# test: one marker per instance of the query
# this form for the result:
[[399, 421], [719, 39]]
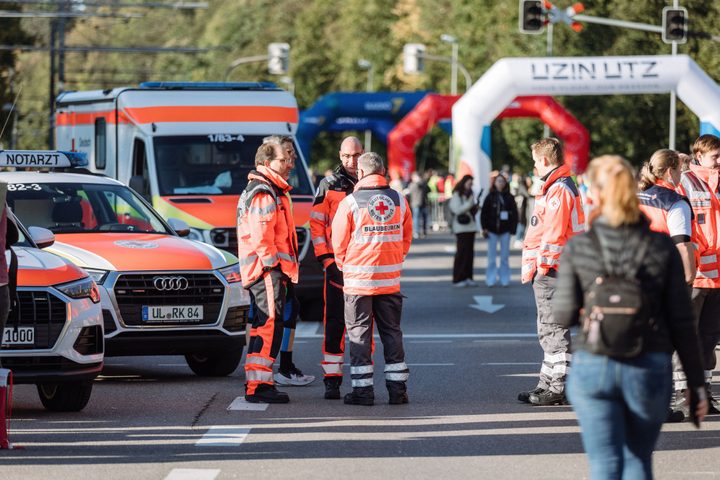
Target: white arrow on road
[[484, 303]]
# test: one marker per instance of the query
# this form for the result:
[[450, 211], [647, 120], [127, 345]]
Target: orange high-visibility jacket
[[700, 186], [266, 229], [558, 215], [371, 235], [656, 202], [331, 191]]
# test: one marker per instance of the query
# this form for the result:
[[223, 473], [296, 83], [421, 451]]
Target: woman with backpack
[[464, 208], [499, 220], [625, 286]]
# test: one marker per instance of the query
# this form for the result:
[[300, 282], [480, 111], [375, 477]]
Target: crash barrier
[[627, 75], [433, 108], [438, 215], [5, 407]]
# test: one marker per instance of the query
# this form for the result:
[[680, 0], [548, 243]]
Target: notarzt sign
[[39, 159]]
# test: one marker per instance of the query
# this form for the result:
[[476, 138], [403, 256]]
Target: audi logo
[[171, 283]]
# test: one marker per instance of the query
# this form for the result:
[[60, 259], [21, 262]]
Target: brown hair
[[265, 154], [655, 168], [705, 143], [613, 177], [685, 160], [548, 147]]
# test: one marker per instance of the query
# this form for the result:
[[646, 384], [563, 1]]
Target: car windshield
[[82, 208], [216, 164]]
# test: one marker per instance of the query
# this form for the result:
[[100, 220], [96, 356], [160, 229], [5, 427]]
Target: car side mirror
[[180, 226], [42, 237]]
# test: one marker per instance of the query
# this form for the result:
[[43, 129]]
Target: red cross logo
[[381, 207]]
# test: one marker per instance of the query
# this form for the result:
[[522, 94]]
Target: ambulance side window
[[100, 143], [139, 181]]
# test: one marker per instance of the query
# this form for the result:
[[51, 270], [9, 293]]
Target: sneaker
[[460, 284], [470, 283], [265, 393], [518, 244], [332, 387], [293, 378], [713, 404], [524, 397], [546, 398], [360, 396], [679, 407]]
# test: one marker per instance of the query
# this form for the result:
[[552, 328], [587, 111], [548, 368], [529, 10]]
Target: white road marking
[[484, 303], [430, 364], [308, 330], [172, 365], [223, 436], [240, 404], [409, 336], [193, 474], [431, 341], [500, 340], [521, 375], [511, 363]]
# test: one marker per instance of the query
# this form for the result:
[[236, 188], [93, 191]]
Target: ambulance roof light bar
[[211, 85], [42, 159]]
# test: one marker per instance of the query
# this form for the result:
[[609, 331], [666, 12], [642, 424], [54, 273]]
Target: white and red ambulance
[[188, 148], [161, 294]]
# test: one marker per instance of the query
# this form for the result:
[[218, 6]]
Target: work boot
[[524, 397], [332, 387], [397, 392], [546, 398], [265, 393], [360, 396], [679, 408], [713, 404]]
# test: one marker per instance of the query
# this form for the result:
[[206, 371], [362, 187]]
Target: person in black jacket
[[499, 219], [621, 402]]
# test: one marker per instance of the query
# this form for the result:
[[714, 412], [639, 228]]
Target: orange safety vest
[[656, 202], [331, 191], [700, 186], [557, 216], [372, 232], [266, 229]]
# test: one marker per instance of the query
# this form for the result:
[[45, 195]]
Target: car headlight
[[196, 234], [98, 275], [84, 288], [231, 273]]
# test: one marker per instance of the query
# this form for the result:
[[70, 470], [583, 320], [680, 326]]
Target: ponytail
[[655, 168]]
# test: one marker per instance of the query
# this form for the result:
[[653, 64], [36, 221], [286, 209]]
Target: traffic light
[[278, 58], [531, 16], [413, 62], [674, 25]]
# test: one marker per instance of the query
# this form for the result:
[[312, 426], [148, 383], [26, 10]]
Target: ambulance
[[188, 148], [161, 294], [54, 336]]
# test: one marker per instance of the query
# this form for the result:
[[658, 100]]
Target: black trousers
[[4, 311], [464, 257]]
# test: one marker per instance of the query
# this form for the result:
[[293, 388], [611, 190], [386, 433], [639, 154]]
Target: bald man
[[331, 191]]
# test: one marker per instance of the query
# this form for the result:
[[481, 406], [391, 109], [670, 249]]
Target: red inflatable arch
[[433, 108]]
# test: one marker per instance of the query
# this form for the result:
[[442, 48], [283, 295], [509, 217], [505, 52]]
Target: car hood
[[37, 268], [138, 252]]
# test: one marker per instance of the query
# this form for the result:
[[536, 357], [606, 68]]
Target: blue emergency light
[[42, 159], [211, 85]]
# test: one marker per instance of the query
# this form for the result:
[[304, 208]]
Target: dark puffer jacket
[[491, 217], [661, 275]]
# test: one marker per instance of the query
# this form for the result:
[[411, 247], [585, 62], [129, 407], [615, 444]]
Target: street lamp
[[453, 88], [367, 65]]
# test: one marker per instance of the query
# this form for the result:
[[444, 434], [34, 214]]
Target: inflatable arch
[[511, 77], [322, 115], [416, 124]]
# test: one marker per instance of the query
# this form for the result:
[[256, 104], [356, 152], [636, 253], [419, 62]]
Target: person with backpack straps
[[624, 285]]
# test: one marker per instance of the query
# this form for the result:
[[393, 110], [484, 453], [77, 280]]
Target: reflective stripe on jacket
[[266, 229], [372, 232], [700, 186], [557, 216], [331, 191]]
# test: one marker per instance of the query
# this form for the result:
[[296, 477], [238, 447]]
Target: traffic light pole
[[673, 100]]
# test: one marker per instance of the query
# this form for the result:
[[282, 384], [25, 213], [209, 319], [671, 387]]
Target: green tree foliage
[[328, 38]]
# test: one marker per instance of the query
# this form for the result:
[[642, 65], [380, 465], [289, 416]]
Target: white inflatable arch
[[512, 77]]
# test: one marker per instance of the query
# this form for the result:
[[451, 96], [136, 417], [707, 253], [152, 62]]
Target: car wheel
[[214, 365], [65, 397]]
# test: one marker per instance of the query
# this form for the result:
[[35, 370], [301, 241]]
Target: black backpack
[[615, 317]]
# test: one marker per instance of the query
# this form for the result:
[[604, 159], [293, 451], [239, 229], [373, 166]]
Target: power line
[[179, 5], [94, 48]]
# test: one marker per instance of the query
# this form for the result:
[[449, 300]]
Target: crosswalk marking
[[223, 436], [193, 474]]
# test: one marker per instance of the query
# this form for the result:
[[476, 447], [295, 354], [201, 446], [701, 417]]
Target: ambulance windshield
[[82, 208], [216, 164]]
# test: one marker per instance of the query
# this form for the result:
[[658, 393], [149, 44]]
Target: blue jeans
[[492, 269], [621, 406], [419, 217]]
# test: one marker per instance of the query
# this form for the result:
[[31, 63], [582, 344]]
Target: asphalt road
[[150, 418]]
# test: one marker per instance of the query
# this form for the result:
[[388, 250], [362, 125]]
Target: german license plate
[[179, 313], [21, 336]]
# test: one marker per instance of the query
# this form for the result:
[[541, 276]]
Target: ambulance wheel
[[214, 365], [65, 397]]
